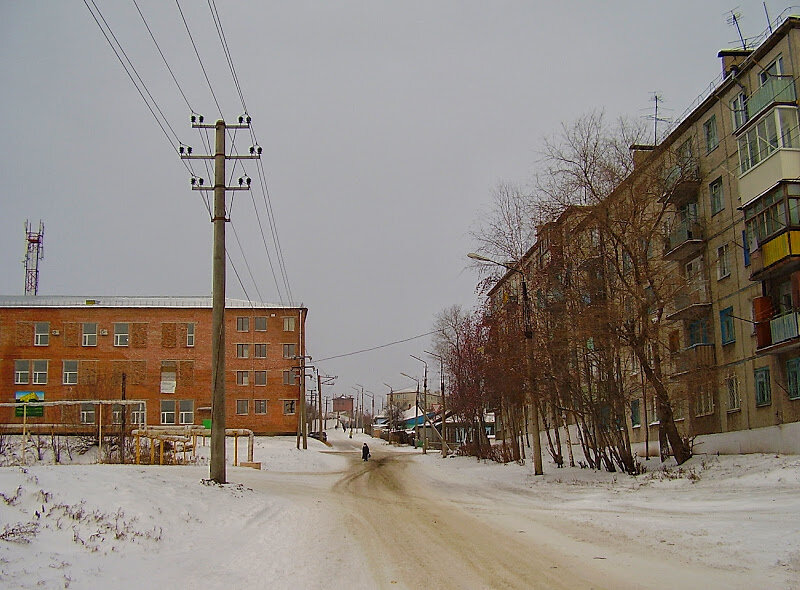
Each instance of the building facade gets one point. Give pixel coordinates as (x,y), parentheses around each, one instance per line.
(730,172)
(155,349)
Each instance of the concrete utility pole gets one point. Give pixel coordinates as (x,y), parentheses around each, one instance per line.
(424,405)
(444,412)
(218,219)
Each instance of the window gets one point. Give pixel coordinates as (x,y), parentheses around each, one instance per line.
(793,378)
(723,262)
(288,324)
(260,323)
(677,409)
(41,336)
(242,378)
(732,389)
(289,351)
(704,403)
(715,193)
(137,414)
(40,372)
(636,418)
(260,406)
(745,248)
(767,215)
(120,334)
(70,373)
(260,351)
(289,406)
(771,71)
(87,413)
(726,325)
(186,408)
(89,334)
(699,332)
(169,376)
(22,372)
(116,413)
(190,335)
(776,129)
(242,406)
(168,411)
(710,133)
(739,110)
(242,324)
(763,388)
(289,378)
(242,351)
(260,377)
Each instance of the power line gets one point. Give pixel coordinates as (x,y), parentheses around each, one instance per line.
(247,264)
(199,59)
(338,356)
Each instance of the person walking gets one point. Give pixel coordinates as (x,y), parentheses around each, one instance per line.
(365,452)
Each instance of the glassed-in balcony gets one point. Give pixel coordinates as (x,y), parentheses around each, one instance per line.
(784,327)
(685,240)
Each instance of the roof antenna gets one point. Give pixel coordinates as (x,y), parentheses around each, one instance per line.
(766,13)
(733,20)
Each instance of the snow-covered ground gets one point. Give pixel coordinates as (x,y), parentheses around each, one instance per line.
(97,526)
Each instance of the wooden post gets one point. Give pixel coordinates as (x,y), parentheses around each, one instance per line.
(235,449)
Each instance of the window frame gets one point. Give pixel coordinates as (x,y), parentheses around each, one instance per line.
(259,350)
(69,377)
(289,324)
(260,319)
(89,338)
(186,416)
(636,413)
(257,375)
(710,134)
(36,374)
(723,261)
(41,333)
(166,412)
(190,334)
(716,197)
(87,410)
(243,378)
(122,338)
(18,371)
(242,404)
(290,377)
(290,348)
(258,406)
(292,407)
(793,378)
(243,351)
(242,323)
(733,394)
(727,328)
(762,387)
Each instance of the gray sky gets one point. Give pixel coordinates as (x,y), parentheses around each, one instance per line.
(384,125)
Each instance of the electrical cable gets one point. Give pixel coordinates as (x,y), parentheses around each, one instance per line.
(338,356)
(199,59)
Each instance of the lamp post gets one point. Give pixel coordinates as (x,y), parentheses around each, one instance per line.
(372,417)
(424,405)
(528,332)
(390,414)
(444,406)
(416,412)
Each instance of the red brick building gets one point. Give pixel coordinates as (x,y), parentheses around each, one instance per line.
(159,350)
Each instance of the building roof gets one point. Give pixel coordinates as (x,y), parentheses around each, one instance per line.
(131,301)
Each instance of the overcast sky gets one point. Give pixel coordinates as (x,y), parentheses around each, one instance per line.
(384,127)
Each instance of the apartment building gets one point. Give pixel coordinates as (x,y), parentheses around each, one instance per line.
(730,169)
(155,349)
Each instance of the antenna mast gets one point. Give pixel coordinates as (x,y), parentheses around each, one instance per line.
(34,252)
(733,20)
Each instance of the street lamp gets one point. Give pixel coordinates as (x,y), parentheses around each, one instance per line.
(528,332)
(444,406)
(416,411)
(424,406)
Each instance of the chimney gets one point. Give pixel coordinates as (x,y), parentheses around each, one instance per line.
(731,59)
(640,153)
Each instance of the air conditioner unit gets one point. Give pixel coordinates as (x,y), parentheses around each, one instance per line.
(104,332)
(55,332)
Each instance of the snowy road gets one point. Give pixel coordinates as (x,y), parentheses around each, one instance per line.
(409,534)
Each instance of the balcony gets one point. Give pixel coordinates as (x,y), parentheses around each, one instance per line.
(784,334)
(684,241)
(780,255)
(694,358)
(778,89)
(693,301)
(681,182)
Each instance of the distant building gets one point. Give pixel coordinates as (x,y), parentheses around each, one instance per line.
(406,398)
(343,405)
(76,348)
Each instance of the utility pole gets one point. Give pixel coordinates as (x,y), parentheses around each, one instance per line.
(444,412)
(218,219)
(34,252)
(122,430)
(424,405)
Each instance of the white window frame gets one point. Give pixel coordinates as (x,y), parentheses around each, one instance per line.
(732,393)
(716,197)
(138,414)
(289,324)
(242,351)
(260,347)
(723,262)
(22,376)
(186,416)
(190,334)
(39,375)
(69,374)
(289,377)
(167,414)
(116,413)
(289,350)
(122,338)
(243,378)
(242,323)
(41,333)
(258,320)
(87,414)
(89,338)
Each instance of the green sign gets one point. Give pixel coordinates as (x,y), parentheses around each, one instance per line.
(23,397)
